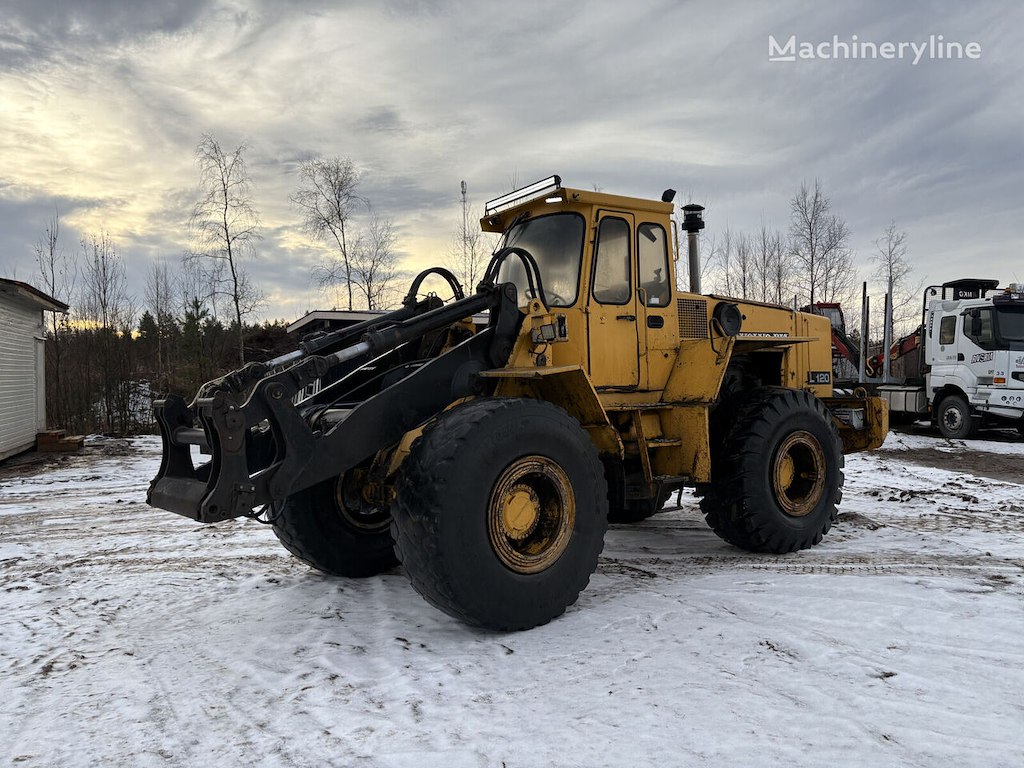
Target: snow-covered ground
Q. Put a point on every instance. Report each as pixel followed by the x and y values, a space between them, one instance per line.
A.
pixel 130 636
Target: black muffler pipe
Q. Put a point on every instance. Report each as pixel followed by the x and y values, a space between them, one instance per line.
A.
pixel 693 223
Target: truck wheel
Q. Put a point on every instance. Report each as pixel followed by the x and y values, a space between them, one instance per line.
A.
pixel 776 473
pixel 330 527
pixel 500 513
pixel 955 420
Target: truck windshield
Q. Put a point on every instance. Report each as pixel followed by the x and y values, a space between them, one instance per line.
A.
pixel 1010 326
pixel 556 242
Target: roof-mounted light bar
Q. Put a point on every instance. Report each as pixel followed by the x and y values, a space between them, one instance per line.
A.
pixel 1012 294
pixel 543 187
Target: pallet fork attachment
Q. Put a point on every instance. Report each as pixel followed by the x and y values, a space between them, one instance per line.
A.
pixel 265 446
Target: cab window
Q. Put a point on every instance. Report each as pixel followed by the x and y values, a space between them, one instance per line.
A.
pixel 556 243
pixel 612 274
pixel 653 276
pixel 1010 327
pixel 978 328
pixel 947 330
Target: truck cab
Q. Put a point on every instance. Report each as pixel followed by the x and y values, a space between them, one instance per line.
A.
pixel 974 356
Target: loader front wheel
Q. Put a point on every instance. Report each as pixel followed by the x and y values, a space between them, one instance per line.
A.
pixel 331 528
pixel 500 513
pixel 776 472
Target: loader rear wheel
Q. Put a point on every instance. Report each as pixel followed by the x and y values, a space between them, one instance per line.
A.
pixel 776 473
pixel 500 513
pixel 330 527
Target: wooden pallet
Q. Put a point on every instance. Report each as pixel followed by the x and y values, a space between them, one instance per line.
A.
pixel 58 441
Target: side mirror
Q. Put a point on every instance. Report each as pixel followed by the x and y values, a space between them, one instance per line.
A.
pixel 975 326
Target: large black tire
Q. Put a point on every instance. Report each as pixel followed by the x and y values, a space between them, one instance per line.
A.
pixel 776 472
pixel 500 513
pixel 955 419
pixel 343 539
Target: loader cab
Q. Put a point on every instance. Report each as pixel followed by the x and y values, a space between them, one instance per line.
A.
pixel 605 260
pixel 555 240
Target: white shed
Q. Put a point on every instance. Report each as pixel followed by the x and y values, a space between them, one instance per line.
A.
pixel 22 364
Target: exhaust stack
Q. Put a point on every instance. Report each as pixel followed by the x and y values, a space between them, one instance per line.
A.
pixel 693 223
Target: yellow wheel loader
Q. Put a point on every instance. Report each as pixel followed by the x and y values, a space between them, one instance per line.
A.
pixel 488 458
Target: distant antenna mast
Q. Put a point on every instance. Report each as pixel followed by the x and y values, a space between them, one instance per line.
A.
pixel 465 227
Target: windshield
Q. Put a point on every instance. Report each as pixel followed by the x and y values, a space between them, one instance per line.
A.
pixel 1010 325
pixel 556 242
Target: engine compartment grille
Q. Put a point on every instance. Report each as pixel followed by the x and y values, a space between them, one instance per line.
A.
pixel 693 318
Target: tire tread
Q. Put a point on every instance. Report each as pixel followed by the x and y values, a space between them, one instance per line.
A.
pixel 422 491
pixel 729 505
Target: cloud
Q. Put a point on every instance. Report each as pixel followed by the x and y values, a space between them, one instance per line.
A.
pixel 33 31
pixel 105 101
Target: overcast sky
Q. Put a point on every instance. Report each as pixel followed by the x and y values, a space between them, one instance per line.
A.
pixel 103 102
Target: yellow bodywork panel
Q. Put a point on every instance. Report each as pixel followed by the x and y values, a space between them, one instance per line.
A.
pixel 692 457
pixel 569 388
pixel 643 371
pixel 802 341
pixel 401 451
pixel 696 375
pixel 876 422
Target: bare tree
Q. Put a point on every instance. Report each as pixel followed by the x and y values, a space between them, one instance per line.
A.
pixel 375 262
pixel 105 302
pixel 782 269
pixel 469 251
pixel 372 266
pixel 194 298
pixel 744 263
pixel 839 273
pixel 160 299
pixel 327 198
pixel 191 287
pixel 819 244
pixel 225 225
pixel 895 275
pixel 110 314
pixel 732 264
pixel 720 266
pixel 753 267
pixel 770 267
pixel 58 273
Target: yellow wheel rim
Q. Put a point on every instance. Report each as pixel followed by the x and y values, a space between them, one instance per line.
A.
pixel 798 474
pixel 530 514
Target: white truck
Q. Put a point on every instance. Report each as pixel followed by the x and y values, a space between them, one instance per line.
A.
pixel 969 366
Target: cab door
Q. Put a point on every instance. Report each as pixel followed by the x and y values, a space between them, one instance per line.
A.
pixel 977 351
pixel 612 305
pixel 657 323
